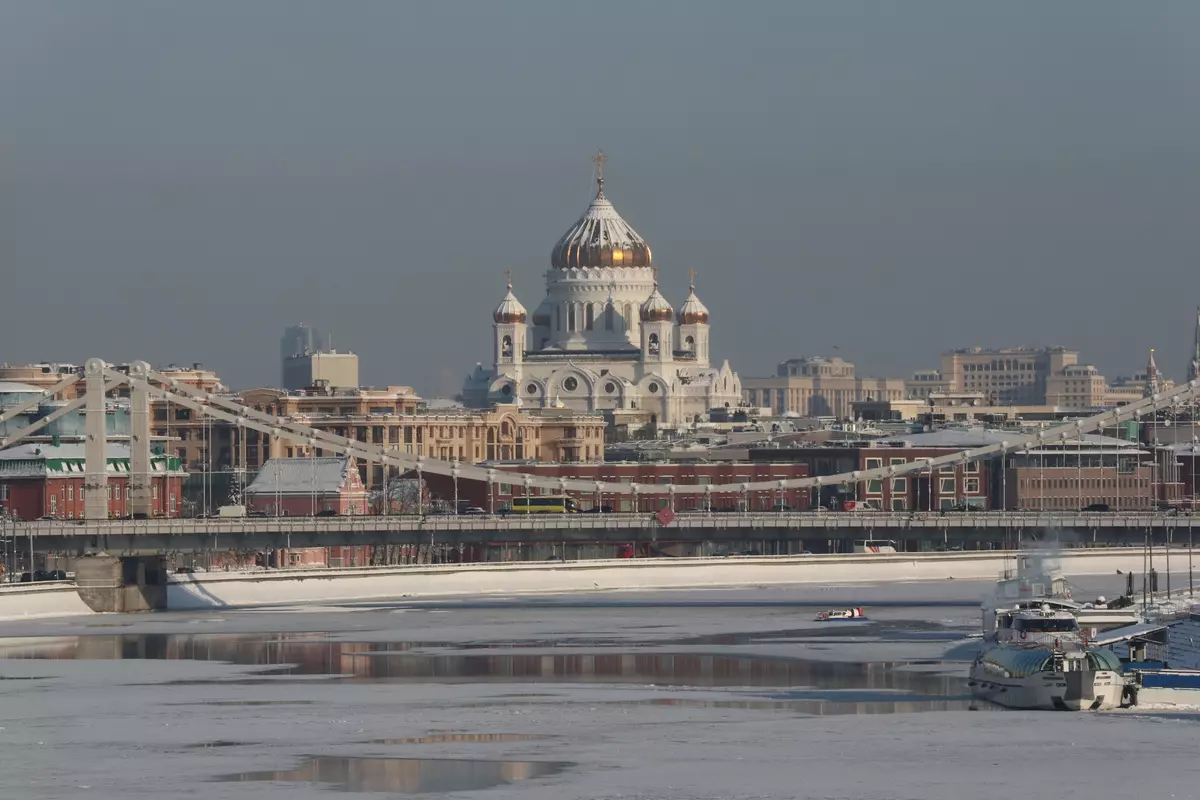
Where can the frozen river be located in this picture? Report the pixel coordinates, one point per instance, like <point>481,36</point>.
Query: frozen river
<point>718,694</point>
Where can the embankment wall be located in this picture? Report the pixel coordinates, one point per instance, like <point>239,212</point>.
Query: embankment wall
<point>215,590</point>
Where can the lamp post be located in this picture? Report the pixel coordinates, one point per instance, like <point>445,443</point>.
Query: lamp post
<point>454,474</point>
<point>420,486</point>
<point>491,479</point>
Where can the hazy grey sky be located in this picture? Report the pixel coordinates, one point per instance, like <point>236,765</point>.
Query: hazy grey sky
<point>180,180</point>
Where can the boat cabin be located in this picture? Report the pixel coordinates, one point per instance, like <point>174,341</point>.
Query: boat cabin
<point>1044,627</point>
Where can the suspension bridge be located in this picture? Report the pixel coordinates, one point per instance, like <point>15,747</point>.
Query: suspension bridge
<point>144,534</point>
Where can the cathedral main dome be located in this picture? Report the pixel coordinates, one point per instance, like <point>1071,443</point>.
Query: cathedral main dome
<point>601,238</point>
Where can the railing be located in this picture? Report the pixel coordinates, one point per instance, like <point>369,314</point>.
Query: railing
<point>817,520</point>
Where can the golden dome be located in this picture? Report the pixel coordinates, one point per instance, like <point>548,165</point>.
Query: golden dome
<point>601,238</point>
<point>693,312</point>
<point>510,310</point>
<point>656,308</point>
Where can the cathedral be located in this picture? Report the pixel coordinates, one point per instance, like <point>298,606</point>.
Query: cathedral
<point>605,339</point>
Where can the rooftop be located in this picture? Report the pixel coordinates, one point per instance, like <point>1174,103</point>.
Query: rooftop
<point>321,475</point>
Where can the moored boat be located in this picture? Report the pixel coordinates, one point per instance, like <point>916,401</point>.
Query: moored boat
<point>1042,661</point>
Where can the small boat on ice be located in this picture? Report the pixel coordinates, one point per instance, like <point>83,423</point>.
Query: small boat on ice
<point>834,615</point>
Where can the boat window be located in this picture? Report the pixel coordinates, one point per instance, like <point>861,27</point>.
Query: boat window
<point>1047,625</point>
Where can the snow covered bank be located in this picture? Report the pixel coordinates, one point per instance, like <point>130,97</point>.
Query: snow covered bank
<point>31,601</point>
<point>217,590</point>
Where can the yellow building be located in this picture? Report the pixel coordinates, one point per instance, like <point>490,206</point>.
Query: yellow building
<point>818,387</point>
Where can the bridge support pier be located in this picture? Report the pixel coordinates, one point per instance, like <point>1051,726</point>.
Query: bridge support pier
<point>117,584</point>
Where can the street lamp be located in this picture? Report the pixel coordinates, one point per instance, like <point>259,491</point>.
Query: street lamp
<point>420,486</point>
<point>454,474</point>
<point>491,479</point>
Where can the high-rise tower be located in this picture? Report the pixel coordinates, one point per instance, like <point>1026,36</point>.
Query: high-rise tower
<point>1194,367</point>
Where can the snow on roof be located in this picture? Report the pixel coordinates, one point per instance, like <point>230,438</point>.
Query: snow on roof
<point>72,450</point>
<point>302,476</point>
<point>13,387</point>
<point>952,437</point>
<point>982,437</point>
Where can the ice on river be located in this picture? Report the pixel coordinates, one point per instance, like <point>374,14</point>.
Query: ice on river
<point>720,694</point>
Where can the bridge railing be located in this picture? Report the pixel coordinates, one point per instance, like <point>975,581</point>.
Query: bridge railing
<point>350,525</point>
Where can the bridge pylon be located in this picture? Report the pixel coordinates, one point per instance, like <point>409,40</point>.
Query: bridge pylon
<point>141,502</point>
<point>95,483</point>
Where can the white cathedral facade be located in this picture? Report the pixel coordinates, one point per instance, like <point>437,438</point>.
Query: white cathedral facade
<point>605,339</point>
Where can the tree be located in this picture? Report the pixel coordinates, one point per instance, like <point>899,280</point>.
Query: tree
<point>235,488</point>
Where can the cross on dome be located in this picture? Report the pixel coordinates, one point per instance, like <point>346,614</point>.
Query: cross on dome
<point>599,160</point>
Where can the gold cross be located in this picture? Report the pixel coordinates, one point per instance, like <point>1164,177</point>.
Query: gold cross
<point>599,160</point>
<point>508,275</point>
<point>692,279</point>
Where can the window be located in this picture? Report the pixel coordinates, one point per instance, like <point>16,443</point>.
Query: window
<point>972,485</point>
<point>70,492</point>
<point>172,506</point>
<point>874,463</point>
<point>899,484</point>
<point>973,467</point>
<point>875,487</point>
<point>154,492</point>
<point>571,318</point>
<point>947,486</point>
<point>609,312</point>
<point>589,317</point>
<point>899,503</point>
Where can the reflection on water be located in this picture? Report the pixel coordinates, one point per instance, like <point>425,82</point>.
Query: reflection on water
<point>315,654</point>
<point>408,775</point>
<point>817,706</point>
<point>472,738</point>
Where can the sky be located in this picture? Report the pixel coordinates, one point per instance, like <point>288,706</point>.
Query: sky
<point>180,181</point>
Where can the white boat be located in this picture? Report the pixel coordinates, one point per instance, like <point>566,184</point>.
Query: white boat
<point>840,614</point>
<point>1037,582</point>
<point>1042,661</point>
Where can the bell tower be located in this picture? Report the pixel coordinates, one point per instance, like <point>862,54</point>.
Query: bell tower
<point>658,329</point>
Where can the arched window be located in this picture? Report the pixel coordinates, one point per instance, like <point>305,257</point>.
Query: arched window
<point>629,316</point>
<point>689,344</point>
<point>653,344</point>
<point>506,346</point>
<point>571,317</point>
<point>589,317</point>
<point>558,318</point>
<point>609,313</point>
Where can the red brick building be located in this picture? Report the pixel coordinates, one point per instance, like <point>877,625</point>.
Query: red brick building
<point>961,486</point>
<point>726,479</point>
<point>304,487</point>
<point>46,480</point>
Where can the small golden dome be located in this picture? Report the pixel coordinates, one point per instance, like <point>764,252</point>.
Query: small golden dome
<point>693,312</point>
<point>656,308</point>
<point>510,311</point>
